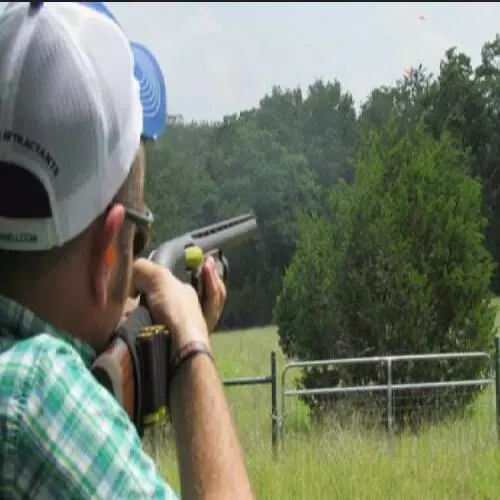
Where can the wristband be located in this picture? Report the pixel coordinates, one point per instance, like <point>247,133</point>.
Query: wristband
<point>185,353</point>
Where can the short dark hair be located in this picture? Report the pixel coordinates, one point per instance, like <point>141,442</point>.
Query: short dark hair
<point>23,195</point>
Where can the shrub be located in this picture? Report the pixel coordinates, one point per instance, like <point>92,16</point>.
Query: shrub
<point>397,265</point>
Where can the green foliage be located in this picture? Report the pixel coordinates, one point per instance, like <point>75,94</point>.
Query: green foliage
<point>277,161</point>
<point>177,186</point>
<point>396,264</point>
<point>285,157</point>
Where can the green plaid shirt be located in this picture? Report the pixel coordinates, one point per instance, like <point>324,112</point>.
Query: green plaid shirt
<point>62,435</point>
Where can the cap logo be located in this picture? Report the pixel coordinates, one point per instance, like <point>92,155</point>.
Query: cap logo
<point>32,145</point>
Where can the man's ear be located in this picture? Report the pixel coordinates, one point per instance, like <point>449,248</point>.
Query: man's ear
<point>106,242</point>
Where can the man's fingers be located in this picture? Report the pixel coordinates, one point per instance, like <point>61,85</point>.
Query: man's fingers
<point>222,291</point>
<point>220,294</point>
<point>215,293</point>
<point>207,277</point>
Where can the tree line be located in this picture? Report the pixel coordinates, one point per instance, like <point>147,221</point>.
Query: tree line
<point>283,158</point>
<point>379,230</point>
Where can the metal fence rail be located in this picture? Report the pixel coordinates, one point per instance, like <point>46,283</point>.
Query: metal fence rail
<point>389,388</point>
<point>264,380</point>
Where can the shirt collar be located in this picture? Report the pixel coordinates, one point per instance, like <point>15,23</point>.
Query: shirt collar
<point>22,323</point>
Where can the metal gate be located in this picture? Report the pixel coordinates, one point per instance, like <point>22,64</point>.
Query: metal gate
<point>389,388</point>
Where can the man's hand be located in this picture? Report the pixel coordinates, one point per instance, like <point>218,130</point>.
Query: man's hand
<point>176,304</point>
<point>215,294</point>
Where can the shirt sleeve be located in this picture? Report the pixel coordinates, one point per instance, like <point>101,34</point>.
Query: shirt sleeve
<point>74,440</point>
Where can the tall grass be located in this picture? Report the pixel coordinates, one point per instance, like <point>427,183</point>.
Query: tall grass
<point>454,460</point>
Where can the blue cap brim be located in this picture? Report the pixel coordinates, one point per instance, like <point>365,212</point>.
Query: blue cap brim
<point>100,7</point>
<point>148,73</point>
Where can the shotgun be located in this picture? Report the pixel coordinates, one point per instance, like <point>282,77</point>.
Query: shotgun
<point>134,366</point>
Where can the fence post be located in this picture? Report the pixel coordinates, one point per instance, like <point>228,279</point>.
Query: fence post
<point>497,384</point>
<point>274,406</point>
<point>389,396</point>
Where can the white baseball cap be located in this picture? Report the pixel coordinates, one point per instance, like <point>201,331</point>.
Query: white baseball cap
<point>75,98</point>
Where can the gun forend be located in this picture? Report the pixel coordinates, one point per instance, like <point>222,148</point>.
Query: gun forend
<point>221,236</point>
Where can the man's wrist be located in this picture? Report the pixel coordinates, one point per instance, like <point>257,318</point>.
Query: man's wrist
<point>190,354</point>
<point>185,353</point>
<point>194,334</point>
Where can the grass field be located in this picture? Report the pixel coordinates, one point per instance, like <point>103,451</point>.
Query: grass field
<point>459,460</point>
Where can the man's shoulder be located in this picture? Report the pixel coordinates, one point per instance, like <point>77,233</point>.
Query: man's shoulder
<point>33,347</point>
<point>25,361</point>
<point>36,374</point>
<point>63,432</point>
<point>45,372</point>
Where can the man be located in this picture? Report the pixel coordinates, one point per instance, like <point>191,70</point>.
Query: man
<point>71,205</point>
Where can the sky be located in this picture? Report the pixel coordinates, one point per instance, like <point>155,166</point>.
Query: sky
<point>220,58</point>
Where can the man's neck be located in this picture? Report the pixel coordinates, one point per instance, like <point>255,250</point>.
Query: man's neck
<point>57,302</point>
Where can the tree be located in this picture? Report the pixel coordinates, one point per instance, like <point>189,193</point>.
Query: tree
<point>177,187</point>
<point>259,174</point>
<point>466,102</point>
<point>397,264</point>
<point>276,159</point>
<point>408,101</point>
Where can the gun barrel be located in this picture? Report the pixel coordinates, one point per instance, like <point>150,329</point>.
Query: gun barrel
<point>225,234</point>
<point>221,235</point>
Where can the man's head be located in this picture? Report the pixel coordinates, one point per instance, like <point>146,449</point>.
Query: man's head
<point>75,100</point>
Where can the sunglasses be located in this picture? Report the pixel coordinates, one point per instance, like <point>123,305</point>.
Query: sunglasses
<point>143,222</point>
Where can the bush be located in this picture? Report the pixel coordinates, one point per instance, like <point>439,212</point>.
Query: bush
<point>396,266</point>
